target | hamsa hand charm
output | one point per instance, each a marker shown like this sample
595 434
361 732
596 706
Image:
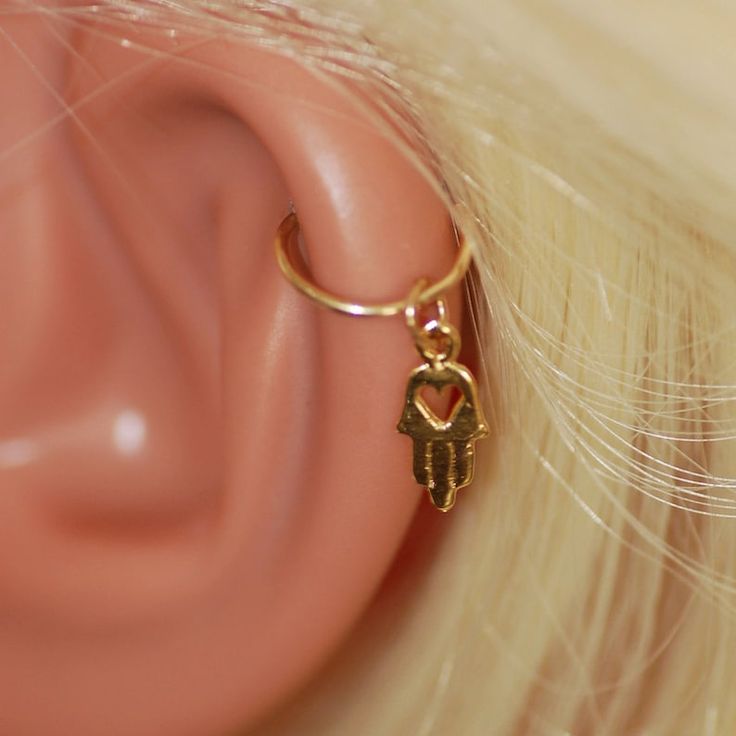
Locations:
444 449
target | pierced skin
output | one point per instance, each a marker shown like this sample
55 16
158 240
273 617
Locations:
200 483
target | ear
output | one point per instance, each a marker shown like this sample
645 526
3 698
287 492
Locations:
320 473
252 582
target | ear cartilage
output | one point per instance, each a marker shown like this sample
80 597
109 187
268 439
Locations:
444 449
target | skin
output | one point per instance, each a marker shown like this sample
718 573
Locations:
202 486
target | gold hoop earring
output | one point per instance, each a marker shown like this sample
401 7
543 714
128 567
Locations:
443 449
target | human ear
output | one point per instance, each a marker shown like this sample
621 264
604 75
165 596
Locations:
191 614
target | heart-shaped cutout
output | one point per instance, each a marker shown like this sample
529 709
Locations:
438 402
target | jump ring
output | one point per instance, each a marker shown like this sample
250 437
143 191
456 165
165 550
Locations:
430 335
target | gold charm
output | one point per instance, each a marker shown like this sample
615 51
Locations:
444 449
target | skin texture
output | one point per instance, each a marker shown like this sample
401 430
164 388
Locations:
201 483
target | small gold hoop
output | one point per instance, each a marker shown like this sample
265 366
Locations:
414 301
429 336
285 244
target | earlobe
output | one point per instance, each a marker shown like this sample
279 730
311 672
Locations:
317 491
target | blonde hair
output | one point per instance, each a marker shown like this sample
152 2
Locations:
586 584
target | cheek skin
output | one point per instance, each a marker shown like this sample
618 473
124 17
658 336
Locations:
201 483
